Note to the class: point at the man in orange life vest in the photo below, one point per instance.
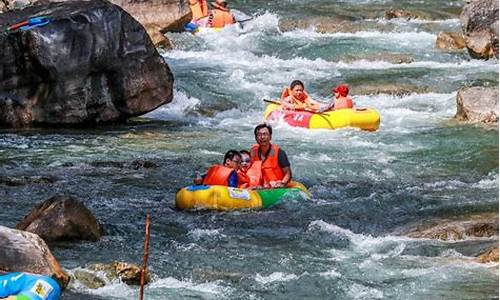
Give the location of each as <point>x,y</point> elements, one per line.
<point>296,98</point>
<point>220,15</point>
<point>341,99</point>
<point>270,166</point>
<point>226,174</point>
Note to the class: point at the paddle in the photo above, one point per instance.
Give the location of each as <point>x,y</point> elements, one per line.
<point>240,22</point>
<point>308,110</point>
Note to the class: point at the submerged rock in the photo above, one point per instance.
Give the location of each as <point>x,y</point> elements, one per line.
<point>24,180</point>
<point>491,255</point>
<point>469,227</point>
<point>477,104</point>
<point>92,64</point>
<point>22,251</point>
<point>400,14</point>
<point>450,41</point>
<point>479,20</point>
<point>62,218</point>
<point>128,273</point>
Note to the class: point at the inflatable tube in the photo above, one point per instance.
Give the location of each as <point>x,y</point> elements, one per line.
<point>26,286</point>
<point>218,197</point>
<point>362,118</point>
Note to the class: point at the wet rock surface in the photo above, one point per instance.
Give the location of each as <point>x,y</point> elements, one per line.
<point>62,218</point>
<point>92,64</point>
<point>22,251</point>
<point>450,41</point>
<point>479,20</point>
<point>470,227</point>
<point>98,275</point>
<point>477,104</point>
<point>491,255</point>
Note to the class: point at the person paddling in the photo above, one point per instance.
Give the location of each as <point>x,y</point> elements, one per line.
<point>269,161</point>
<point>220,15</point>
<point>340,100</point>
<point>225,174</point>
<point>296,98</point>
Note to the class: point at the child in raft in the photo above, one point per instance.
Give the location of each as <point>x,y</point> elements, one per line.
<point>225,174</point>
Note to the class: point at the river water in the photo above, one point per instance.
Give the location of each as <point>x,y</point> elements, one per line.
<point>367,187</point>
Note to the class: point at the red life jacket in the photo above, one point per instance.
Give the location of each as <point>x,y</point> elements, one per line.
<point>199,8</point>
<point>343,102</point>
<point>271,170</point>
<point>220,17</point>
<point>217,175</point>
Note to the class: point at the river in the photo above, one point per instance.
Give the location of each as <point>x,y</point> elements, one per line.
<point>367,187</point>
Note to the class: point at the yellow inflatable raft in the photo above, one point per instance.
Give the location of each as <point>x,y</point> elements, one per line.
<point>363,118</point>
<point>227,198</point>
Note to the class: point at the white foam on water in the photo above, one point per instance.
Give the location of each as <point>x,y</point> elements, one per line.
<point>175,110</point>
<point>213,287</point>
<point>198,234</point>
<point>331,274</point>
<point>490,182</point>
<point>275,277</point>
<point>364,243</point>
<point>359,291</point>
<point>391,37</point>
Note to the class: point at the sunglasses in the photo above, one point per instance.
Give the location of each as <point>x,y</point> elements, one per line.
<point>245,160</point>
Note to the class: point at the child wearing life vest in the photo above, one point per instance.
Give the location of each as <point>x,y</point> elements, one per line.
<point>296,98</point>
<point>220,15</point>
<point>243,179</point>
<point>340,100</point>
<point>225,174</point>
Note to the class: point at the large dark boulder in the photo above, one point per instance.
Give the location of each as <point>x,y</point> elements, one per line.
<point>479,20</point>
<point>92,64</point>
<point>22,251</point>
<point>62,218</point>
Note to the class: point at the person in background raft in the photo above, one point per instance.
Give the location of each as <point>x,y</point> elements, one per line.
<point>199,9</point>
<point>296,98</point>
<point>26,286</point>
<point>340,100</point>
<point>225,174</point>
<point>220,15</point>
<point>268,160</point>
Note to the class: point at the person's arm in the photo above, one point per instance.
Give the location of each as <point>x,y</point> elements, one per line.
<point>284,164</point>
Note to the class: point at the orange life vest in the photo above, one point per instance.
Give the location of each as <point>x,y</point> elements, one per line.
<point>271,170</point>
<point>254,173</point>
<point>220,17</point>
<point>303,102</point>
<point>199,8</point>
<point>243,180</point>
<point>343,102</point>
<point>217,175</point>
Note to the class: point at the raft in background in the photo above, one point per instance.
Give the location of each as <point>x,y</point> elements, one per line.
<point>218,197</point>
<point>362,118</point>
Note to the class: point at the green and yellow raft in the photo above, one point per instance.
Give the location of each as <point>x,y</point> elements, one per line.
<point>218,197</point>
